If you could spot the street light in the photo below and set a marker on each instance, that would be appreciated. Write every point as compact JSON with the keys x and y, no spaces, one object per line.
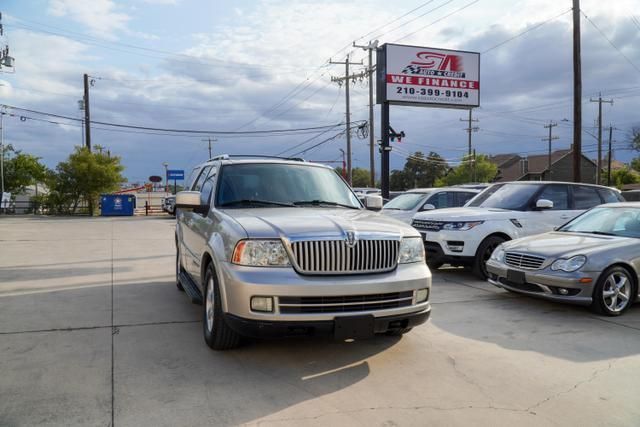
{"x":166,"y":177}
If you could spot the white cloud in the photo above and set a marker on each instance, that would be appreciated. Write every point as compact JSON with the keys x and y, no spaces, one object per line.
{"x":99,"y":16}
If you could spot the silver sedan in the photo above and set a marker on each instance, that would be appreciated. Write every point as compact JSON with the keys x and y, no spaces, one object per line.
{"x":592,"y":260}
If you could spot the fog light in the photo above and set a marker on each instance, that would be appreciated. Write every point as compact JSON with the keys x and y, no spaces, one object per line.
{"x":422,"y":295}
{"x":264,"y":304}
{"x":563,"y":291}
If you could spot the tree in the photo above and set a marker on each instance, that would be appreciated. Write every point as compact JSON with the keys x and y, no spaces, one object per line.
{"x":21,"y":170}
{"x":635,"y":138}
{"x":84,"y":176}
{"x":359,"y":176}
{"x":624,"y":176}
{"x":635,"y":164}
{"x":419,"y":171}
{"x":485,"y":171}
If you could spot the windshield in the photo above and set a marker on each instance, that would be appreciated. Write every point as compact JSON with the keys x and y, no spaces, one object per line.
{"x":406,"y":202}
{"x":505,"y":196}
{"x":274,"y":184}
{"x":618,"y":221}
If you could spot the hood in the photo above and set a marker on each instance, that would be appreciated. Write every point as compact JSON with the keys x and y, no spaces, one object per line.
{"x":465,"y":214}
{"x":565,"y":244}
{"x":316,"y":222}
{"x":399,"y":214}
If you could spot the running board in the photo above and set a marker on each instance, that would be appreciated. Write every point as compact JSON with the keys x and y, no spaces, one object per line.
{"x":190,"y":288}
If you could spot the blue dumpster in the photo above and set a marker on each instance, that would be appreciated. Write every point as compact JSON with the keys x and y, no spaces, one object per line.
{"x":117,"y":204}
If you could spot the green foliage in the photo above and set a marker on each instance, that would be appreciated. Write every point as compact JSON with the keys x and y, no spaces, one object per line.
{"x":359,"y":176}
{"x":83,"y":177}
{"x":21,"y":170}
{"x":635,"y":138}
{"x":624,"y":176}
{"x":635,"y":164}
{"x":419,"y":172}
{"x":485,"y":171}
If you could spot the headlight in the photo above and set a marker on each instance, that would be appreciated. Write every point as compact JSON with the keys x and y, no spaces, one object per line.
{"x":260,"y":253}
{"x":498,"y":254}
{"x":411,"y":250}
{"x":569,"y":265}
{"x":461,"y":226}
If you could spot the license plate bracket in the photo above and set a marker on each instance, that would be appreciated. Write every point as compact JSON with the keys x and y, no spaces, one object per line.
{"x":516,"y":277}
{"x":354,"y":327}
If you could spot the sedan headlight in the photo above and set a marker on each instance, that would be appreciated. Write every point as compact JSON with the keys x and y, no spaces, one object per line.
{"x":260,"y":253}
{"x":461,"y":226}
{"x":411,"y":250}
{"x":569,"y":265}
{"x":498,"y":254}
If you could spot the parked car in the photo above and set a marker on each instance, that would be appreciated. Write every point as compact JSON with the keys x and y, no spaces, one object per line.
{"x":467,"y":236}
{"x":592,"y":260}
{"x":284,"y":247}
{"x":406,"y":205}
{"x":169,"y":205}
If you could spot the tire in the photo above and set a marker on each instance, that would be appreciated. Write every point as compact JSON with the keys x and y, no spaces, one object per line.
{"x":434,"y":264}
{"x":398,"y":332}
{"x":614,"y":285}
{"x":483,"y":254}
{"x":178,"y":268}
{"x":217,"y":334}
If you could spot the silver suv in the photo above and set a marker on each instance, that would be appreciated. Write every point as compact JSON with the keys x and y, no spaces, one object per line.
{"x":278,"y":247}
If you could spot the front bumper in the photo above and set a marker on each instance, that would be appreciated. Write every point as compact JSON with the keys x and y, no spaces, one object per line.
{"x":280,"y":329}
{"x":453,"y":244}
{"x":239,"y":284}
{"x":546,"y":283}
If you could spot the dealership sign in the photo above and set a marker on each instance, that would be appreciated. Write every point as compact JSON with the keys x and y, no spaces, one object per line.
{"x":422,"y":76}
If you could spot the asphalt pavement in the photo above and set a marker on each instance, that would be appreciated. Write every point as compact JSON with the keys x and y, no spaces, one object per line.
{"x":94,"y":332}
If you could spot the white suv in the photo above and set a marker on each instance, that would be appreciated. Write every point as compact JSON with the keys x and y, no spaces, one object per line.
{"x":505,"y":211}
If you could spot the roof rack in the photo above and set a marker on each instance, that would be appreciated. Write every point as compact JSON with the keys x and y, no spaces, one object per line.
{"x":254,"y":156}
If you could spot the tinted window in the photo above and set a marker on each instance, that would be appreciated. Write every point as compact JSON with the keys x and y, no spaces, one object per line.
{"x":207,"y":189}
{"x":439,"y":200}
{"x":558,"y":194}
{"x":506,"y":196}
{"x":192,"y":177}
{"x":198,"y":185}
{"x":461,"y":198}
{"x":609,"y":196}
{"x":585,"y":197}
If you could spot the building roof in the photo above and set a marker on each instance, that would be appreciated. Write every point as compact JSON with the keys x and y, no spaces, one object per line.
{"x":537,"y":164}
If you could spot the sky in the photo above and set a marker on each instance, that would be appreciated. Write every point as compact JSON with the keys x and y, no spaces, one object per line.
{"x":264,"y":65}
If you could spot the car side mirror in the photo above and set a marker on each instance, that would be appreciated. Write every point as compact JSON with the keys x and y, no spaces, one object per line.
{"x":190,"y":200}
{"x":373,"y":202}
{"x":543,"y":204}
{"x":428,"y":207}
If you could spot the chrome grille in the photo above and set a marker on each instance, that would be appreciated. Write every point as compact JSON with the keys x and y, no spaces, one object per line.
{"x":336,"y":257}
{"x":344,"y":304}
{"x":530,"y":262}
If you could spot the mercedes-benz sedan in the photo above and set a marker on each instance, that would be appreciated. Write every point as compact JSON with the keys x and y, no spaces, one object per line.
{"x":592,"y":260}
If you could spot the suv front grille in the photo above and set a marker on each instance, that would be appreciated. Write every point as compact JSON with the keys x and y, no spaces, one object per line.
{"x":427,"y":225}
{"x":530,"y":262}
{"x":344,"y":304}
{"x":336,"y":257}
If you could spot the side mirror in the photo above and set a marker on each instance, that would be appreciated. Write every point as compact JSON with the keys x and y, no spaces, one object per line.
{"x":543,"y":204}
{"x":373,"y":202}
{"x":428,"y":207}
{"x":190,"y":200}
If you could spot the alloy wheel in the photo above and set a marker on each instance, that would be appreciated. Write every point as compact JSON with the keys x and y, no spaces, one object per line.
{"x":210,"y":305}
{"x":616,"y":292}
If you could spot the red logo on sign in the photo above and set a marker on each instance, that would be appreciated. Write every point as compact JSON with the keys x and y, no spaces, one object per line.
{"x":439,"y":61}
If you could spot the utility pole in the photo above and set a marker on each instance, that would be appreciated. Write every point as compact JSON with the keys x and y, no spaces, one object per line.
{"x":373,"y":45}
{"x":550,"y":126}
{"x":344,"y":165}
{"x":609,"y":157}
{"x":346,"y":78}
{"x":475,"y":167}
{"x":2,"y":158}
{"x":470,"y":128}
{"x":600,"y":101}
{"x":210,"y":141}
{"x":577,"y":95}
{"x":87,"y":114}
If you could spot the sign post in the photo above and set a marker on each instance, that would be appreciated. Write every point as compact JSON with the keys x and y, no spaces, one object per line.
{"x":423,"y":77}
{"x":175,"y":174}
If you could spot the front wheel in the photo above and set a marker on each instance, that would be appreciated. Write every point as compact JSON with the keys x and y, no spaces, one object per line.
{"x":483,"y":254}
{"x":614,"y":292}
{"x":178,"y":268}
{"x":217,"y":334}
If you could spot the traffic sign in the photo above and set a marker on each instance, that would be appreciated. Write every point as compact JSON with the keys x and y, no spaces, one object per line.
{"x":175,"y":174}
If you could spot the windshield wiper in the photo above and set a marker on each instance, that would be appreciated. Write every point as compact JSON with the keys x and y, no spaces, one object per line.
{"x":253,"y":202}
{"x":601,"y":233}
{"x":322,"y":202}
